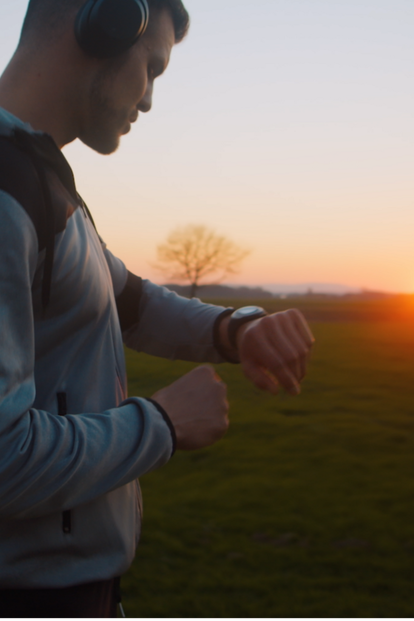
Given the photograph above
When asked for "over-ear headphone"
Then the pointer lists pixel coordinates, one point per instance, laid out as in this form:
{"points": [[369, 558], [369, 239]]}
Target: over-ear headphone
{"points": [[106, 28]]}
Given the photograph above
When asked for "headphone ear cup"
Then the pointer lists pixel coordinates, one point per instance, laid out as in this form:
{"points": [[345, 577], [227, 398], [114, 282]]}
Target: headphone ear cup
{"points": [[106, 28], [81, 25]]}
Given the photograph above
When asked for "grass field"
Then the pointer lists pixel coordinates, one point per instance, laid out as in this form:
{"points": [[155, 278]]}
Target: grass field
{"points": [[306, 508]]}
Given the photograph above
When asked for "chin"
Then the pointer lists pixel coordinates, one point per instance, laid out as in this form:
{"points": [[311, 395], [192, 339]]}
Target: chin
{"points": [[102, 142]]}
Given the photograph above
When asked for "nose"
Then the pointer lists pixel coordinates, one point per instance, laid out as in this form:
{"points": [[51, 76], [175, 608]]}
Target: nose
{"points": [[145, 104]]}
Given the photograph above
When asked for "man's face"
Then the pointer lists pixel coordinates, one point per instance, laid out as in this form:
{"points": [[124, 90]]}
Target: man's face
{"points": [[123, 86]]}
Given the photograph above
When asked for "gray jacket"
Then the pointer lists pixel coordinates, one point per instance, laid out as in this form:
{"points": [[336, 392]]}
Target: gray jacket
{"points": [[71, 443]]}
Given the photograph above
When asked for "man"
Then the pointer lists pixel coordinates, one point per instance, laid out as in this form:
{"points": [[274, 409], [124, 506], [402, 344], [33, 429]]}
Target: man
{"points": [[71, 444]]}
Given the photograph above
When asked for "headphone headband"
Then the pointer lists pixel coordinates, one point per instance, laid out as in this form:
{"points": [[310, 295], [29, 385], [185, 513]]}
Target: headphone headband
{"points": [[106, 28]]}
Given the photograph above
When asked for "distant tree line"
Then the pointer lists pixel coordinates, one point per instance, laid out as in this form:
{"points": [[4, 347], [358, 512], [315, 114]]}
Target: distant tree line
{"points": [[222, 291]]}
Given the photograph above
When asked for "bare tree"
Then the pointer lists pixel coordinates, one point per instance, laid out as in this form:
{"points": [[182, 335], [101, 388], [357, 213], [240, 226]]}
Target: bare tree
{"points": [[194, 252]]}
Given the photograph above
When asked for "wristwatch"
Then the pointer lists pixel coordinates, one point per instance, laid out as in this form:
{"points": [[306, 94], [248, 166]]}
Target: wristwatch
{"points": [[241, 316]]}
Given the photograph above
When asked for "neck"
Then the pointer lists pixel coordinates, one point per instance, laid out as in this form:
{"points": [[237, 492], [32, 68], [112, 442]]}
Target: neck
{"points": [[39, 88]]}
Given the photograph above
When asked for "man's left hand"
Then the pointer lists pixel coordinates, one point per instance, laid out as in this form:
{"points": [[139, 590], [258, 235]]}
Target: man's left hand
{"points": [[274, 350]]}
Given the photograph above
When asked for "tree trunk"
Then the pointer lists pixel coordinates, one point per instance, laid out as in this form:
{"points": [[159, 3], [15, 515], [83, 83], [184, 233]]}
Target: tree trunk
{"points": [[193, 290]]}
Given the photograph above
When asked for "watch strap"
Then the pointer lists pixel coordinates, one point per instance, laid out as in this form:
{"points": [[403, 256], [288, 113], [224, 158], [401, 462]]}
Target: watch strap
{"points": [[235, 323]]}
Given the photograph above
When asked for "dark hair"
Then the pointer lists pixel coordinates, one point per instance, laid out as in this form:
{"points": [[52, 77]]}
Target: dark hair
{"points": [[47, 15], [179, 14]]}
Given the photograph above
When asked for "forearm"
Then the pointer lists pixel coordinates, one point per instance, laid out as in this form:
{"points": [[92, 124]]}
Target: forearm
{"points": [[174, 327], [52, 463]]}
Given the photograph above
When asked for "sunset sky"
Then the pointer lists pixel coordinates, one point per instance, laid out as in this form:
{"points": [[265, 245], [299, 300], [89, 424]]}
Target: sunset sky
{"points": [[287, 125]]}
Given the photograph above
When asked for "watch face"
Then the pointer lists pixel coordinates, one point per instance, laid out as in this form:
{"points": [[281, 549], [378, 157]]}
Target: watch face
{"points": [[246, 311], [241, 316]]}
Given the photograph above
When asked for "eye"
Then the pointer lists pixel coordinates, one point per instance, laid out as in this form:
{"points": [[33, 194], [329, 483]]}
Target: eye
{"points": [[155, 68]]}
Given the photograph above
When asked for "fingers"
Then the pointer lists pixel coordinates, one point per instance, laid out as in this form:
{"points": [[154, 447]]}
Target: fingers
{"points": [[286, 353], [299, 343], [302, 326], [287, 345], [276, 349], [198, 408], [210, 373], [269, 363], [260, 378], [222, 405]]}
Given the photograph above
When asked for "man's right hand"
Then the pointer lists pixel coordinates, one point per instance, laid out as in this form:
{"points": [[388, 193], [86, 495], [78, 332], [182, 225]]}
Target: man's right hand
{"points": [[197, 407]]}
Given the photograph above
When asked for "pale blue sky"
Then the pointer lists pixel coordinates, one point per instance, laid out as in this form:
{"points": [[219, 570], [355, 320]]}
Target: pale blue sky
{"points": [[286, 124]]}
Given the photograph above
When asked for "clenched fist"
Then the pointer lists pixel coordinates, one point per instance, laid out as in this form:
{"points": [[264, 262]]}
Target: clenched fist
{"points": [[197, 406]]}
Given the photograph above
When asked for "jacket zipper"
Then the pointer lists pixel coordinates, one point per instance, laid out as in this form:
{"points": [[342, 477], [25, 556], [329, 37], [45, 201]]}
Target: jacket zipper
{"points": [[62, 411]]}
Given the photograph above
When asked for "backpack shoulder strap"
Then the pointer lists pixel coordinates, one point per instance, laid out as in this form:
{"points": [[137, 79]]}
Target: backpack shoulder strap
{"points": [[23, 176], [24, 161], [18, 177]]}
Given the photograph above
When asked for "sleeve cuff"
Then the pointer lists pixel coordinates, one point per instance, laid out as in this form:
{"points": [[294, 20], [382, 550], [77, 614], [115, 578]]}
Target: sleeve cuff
{"points": [[216, 336], [168, 421]]}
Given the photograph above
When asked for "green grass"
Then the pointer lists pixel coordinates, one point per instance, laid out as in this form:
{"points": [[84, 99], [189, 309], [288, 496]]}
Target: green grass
{"points": [[306, 508]]}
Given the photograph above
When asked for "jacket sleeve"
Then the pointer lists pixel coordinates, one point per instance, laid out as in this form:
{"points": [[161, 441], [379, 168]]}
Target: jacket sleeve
{"points": [[50, 463], [159, 322]]}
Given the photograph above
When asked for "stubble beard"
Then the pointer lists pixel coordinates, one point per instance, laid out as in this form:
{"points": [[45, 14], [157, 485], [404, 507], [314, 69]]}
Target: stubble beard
{"points": [[106, 124]]}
